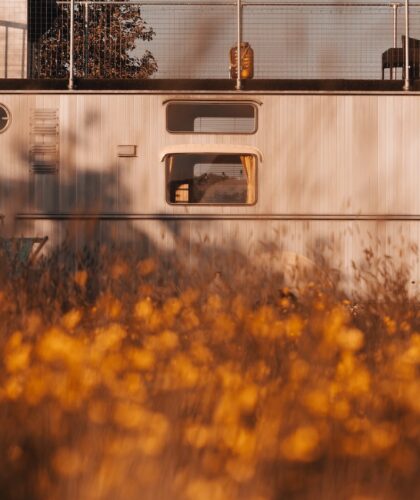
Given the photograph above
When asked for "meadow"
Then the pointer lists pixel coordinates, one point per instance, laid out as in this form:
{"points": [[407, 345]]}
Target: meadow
{"points": [[129, 378]]}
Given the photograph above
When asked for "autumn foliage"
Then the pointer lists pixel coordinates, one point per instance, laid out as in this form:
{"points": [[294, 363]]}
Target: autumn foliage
{"points": [[163, 384], [110, 41]]}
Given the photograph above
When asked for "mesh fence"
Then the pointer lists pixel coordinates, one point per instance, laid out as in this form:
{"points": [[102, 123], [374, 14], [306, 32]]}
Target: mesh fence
{"points": [[192, 39]]}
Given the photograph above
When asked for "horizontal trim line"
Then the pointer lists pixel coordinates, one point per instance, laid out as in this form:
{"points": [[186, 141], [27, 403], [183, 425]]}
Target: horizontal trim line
{"points": [[215, 92], [210, 86], [199, 217]]}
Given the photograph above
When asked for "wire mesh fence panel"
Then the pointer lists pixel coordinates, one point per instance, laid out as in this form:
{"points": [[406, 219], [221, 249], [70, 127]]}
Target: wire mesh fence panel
{"points": [[49, 39], [186, 39], [306, 41], [107, 36], [192, 41]]}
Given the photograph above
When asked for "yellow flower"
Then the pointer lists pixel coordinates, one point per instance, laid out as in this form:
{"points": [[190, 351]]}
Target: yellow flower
{"points": [[129, 415], [119, 269], [384, 436], [13, 388], [334, 323], [214, 303], [197, 435], [189, 319], [80, 278], [244, 443], [132, 384], [316, 401], [350, 339], [264, 323], [360, 382], [294, 326], [147, 266], [142, 359], [154, 434], [143, 309], [200, 353], [302, 445], [390, 324], [55, 345], [247, 398], [184, 372], [189, 297], [71, 319], [16, 353], [109, 338], [165, 341]]}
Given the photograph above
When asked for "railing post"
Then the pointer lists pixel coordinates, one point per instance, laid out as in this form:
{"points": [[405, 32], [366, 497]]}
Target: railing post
{"points": [[395, 28], [86, 44], [238, 53], [407, 49], [71, 62], [395, 9]]}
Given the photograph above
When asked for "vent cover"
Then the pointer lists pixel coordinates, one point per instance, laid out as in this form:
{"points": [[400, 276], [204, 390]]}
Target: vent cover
{"points": [[44, 151]]}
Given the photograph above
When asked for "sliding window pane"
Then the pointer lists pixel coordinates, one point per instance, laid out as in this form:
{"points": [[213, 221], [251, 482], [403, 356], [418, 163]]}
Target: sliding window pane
{"points": [[211, 118]]}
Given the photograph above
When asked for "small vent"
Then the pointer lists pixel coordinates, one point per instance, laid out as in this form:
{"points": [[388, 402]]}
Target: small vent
{"points": [[44, 152], [127, 150]]}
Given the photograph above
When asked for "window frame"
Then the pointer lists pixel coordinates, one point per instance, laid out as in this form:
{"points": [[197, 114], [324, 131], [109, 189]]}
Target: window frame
{"points": [[217, 103], [255, 156], [9, 117]]}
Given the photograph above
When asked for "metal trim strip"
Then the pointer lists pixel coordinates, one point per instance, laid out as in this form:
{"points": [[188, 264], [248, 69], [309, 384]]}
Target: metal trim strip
{"points": [[201, 217]]}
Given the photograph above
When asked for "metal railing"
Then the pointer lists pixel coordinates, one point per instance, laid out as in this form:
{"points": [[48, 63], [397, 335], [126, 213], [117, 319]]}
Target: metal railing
{"points": [[191, 39]]}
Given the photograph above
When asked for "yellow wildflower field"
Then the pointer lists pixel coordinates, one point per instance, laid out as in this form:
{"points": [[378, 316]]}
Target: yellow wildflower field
{"points": [[137, 380]]}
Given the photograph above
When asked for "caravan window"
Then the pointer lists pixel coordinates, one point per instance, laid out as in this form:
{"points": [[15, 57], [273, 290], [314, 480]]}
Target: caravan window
{"points": [[211, 117], [211, 179]]}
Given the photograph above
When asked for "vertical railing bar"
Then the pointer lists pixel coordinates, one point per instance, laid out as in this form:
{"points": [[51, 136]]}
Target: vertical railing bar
{"points": [[120, 36], [99, 19], [22, 70], [57, 48], [238, 53], [395, 9], [392, 71], [6, 52], [71, 63], [407, 48], [86, 40]]}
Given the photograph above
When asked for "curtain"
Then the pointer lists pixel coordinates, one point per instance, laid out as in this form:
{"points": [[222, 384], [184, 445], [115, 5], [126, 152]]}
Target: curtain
{"points": [[170, 163], [248, 162]]}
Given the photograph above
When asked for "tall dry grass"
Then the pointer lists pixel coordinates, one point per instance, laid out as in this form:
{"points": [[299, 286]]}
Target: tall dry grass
{"points": [[124, 378]]}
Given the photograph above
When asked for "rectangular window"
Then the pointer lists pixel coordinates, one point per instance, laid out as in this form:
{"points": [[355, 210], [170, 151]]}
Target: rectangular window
{"points": [[211, 118], [211, 179]]}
